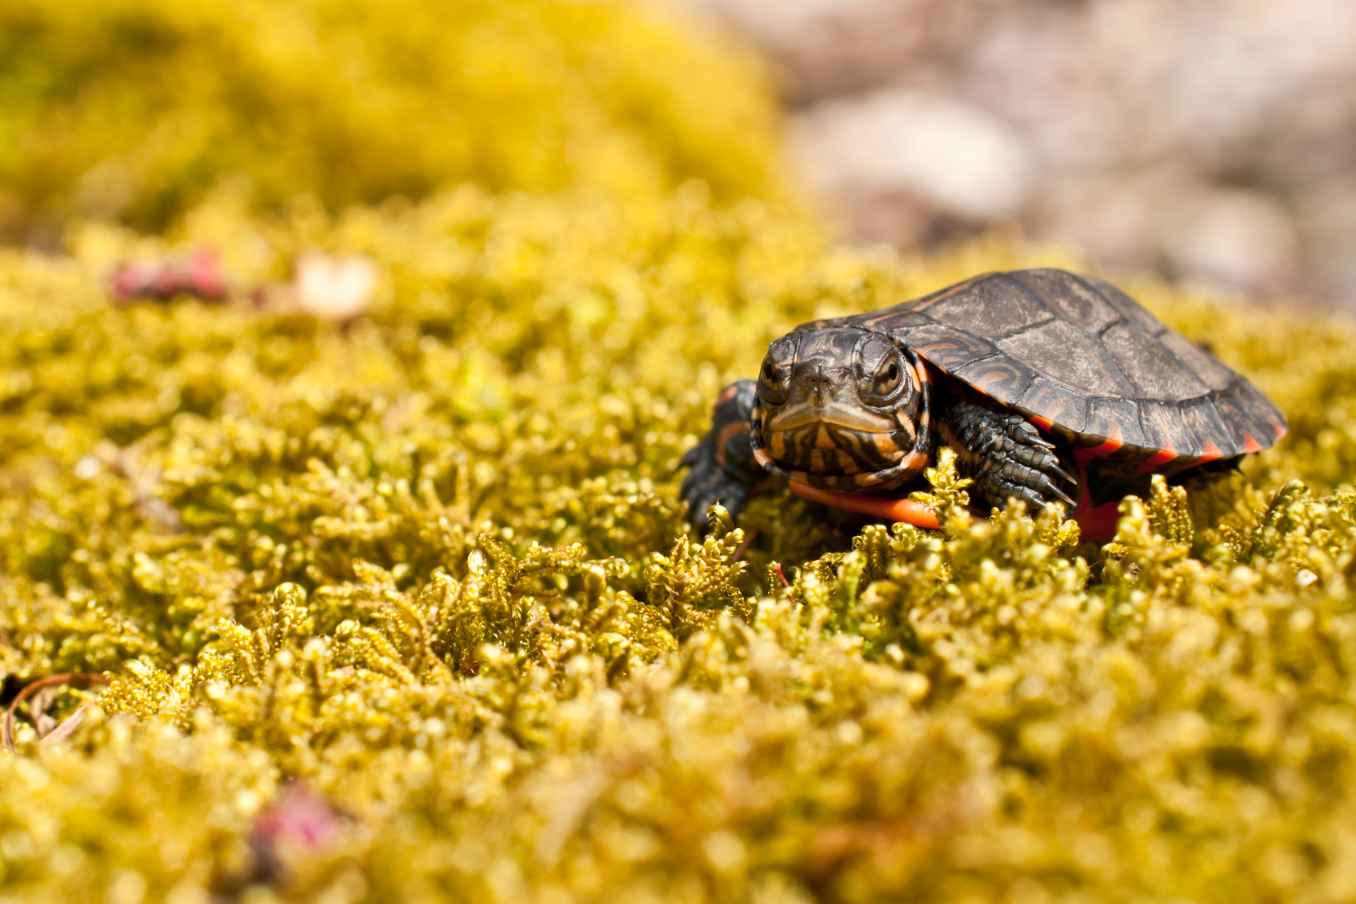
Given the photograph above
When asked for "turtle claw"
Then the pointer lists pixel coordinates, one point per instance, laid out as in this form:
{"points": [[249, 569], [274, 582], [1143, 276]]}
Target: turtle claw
{"points": [[1010, 458], [722, 465], [1013, 479], [1051, 490], [707, 484], [1068, 479], [1045, 490]]}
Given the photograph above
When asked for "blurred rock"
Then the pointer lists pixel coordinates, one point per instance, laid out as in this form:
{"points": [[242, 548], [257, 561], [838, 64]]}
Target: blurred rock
{"points": [[335, 288], [1214, 140], [916, 160], [1237, 239], [954, 156], [826, 48], [1329, 214]]}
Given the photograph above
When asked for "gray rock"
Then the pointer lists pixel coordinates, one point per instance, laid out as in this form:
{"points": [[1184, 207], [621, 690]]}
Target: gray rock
{"points": [[949, 155]]}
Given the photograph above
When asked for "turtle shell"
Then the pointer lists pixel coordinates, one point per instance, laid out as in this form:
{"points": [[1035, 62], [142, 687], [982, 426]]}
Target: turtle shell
{"points": [[1082, 359]]}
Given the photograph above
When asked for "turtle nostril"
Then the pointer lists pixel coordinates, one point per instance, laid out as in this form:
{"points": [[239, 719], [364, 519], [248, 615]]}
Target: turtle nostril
{"points": [[819, 387]]}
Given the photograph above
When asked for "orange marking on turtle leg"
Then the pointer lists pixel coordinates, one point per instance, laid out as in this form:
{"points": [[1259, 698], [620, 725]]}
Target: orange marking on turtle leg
{"points": [[913, 462], [1250, 443], [915, 513], [725, 435], [727, 393]]}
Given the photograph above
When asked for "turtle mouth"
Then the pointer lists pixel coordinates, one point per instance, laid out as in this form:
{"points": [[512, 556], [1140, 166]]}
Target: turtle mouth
{"points": [[834, 414], [826, 455], [828, 449], [837, 469], [835, 440]]}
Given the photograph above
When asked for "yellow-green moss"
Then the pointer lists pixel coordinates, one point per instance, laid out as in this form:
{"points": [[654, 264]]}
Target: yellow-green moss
{"points": [[133, 109], [432, 562]]}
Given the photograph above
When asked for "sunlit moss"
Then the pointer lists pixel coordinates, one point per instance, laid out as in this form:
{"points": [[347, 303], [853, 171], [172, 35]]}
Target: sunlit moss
{"points": [[432, 564], [133, 109]]}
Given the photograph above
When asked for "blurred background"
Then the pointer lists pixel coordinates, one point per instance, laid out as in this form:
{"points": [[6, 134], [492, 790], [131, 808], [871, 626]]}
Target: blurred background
{"points": [[1211, 141]]}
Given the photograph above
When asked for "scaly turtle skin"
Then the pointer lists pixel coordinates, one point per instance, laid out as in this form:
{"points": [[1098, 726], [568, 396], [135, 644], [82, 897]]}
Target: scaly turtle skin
{"points": [[1051, 387]]}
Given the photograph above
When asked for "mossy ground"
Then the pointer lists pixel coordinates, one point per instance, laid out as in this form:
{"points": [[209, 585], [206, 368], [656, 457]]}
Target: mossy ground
{"points": [[431, 563]]}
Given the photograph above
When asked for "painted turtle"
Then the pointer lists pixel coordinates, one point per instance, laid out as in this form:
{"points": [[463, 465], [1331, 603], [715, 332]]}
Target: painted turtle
{"points": [[1050, 386]]}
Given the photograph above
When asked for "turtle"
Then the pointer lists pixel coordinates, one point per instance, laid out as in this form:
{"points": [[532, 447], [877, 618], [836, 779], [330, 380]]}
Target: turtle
{"points": [[1052, 387]]}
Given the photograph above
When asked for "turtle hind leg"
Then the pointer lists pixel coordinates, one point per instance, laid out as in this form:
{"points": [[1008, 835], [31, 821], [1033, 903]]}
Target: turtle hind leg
{"points": [[722, 465], [1006, 456]]}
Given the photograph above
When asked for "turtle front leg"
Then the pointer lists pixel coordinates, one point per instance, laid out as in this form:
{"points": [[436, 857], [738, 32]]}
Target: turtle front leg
{"points": [[723, 467], [1006, 456]]}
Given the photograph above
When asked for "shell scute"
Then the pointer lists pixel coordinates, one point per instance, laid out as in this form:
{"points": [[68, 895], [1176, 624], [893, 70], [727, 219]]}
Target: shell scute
{"points": [[948, 348], [1061, 407], [1069, 355], [1203, 421], [1111, 418], [1205, 366], [1153, 369], [1079, 355], [1166, 429], [996, 306], [1073, 301], [996, 375]]}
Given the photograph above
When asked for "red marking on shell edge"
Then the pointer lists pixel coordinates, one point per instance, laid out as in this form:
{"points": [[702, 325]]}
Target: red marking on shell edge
{"points": [[1250, 443], [1111, 444], [1280, 430], [1157, 460], [727, 393], [1211, 452], [915, 513], [1042, 422]]}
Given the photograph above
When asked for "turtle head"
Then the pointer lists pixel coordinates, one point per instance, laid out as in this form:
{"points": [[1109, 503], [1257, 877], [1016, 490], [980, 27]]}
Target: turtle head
{"points": [[841, 407]]}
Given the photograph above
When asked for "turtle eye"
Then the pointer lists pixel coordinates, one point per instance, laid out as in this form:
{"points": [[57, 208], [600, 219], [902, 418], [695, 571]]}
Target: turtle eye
{"points": [[772, 382], [884, 384], [887, 378]]}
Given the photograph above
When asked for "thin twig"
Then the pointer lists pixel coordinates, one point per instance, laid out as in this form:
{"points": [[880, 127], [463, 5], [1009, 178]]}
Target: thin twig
{"points": [[67, 727], [84, 678]]}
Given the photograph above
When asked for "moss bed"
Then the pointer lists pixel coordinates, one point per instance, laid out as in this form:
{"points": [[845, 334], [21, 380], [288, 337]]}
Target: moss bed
{"points": [[429, 566]]}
